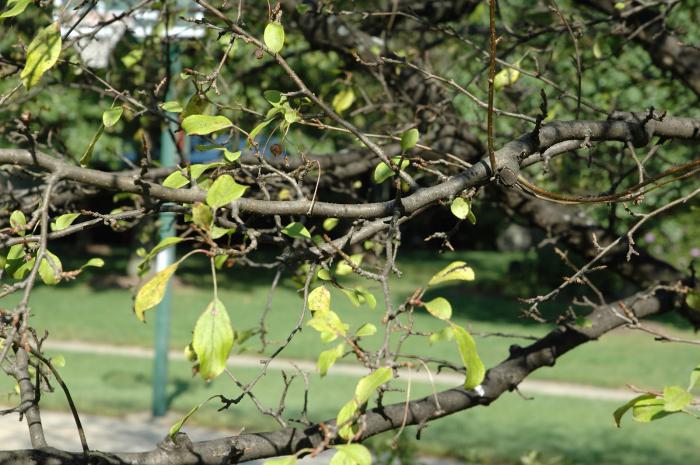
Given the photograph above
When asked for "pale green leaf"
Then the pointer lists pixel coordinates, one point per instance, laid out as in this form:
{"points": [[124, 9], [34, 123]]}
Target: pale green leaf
{"points": [[18, 221], [409, 139], [42, 55], [93, 262], [274, 37], [370, 383], [172, 107], [460, 208], [175, 180], [328, 324], [63, 221], [382, 171], [212, 340], [217, 232], [620, 411], [112, 116], [455, 271], [224, 191], [175, 428], [15, 8], [345, 414], [327, 358], [198, 169], [205, 124], [676, 398], [231, 156], [87, 156], [504, 78], [470, 357], [202, 216], [50, 269], [439, 308], [646, 410], [319, 300], [343, 100], [324, 274], [367, 329], [196, 105], [256, 130], [344, 268], [296, 230], [133, 57], [153, 291], [58, 361], [330, 223], [351, 454], [445, 334]]}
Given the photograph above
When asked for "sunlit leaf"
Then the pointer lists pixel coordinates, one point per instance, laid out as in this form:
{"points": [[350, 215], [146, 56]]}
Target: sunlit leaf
{"points": [[470, 357], [58, 361], [224, 191], [212, 340], [460, 208], [329, 324], [296, 230], [445, 334], [409, 139], [327, 358], [439, 308], [504, 78], [50, 269], [620, 411], [175, 180], [153, 291], [274, 37], [112, 116], [382, 171], [455, 271], [205, 124], [18, 221], [676, 398], [63, 221], [202, 215], [351, 454], [646, 410], [172, 107], [345, 414], [319, 299], [330, 223], [343, 100], [370, 383], [344, 268], [15, 8], [42, 55], [87, 156], [367, 329]]}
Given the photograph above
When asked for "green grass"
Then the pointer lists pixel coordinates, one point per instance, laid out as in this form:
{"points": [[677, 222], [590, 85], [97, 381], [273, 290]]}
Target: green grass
{"points": [[580, 432], [89, 313]]}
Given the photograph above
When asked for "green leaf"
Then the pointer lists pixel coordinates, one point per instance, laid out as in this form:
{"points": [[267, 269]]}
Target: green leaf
{"points": [[343, 100], [212, 340], [205, 124], [382, 171], [173, 106], [345, 414], [284, 460], [18, 221], [439, 308], [409, 139], [112, 116], [217, 232], [504, 78], [202, 216], [162, 245], [344, 268], [93, 262], [16, 7], [455, 271], [42, 55], [693, 300], [329, 325], [460, 208], [330, 223], [196, 105], [370, 383], [324, 274], [153, 291], [133, 57], [87, 156], [470, 358], [256, 130], [231, 156], [445, 334], [198, 169], [224, 191], [58, 361], [676, 398], [274, 37], [319, 300], [646, 410], [620, 411], [275, 97], [351, 454], [327, 358], [175, 180], [694, 376], [50, 269], [63, 221], [175, 428], [296, 230], [367, 329]]}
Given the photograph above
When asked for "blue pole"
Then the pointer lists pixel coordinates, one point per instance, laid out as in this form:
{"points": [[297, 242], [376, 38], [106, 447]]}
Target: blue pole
{"points": [[168, 158]]}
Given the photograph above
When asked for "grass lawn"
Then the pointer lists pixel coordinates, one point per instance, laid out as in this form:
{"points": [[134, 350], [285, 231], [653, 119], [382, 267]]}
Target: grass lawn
{"points": [[80, 311], [576, 431]]}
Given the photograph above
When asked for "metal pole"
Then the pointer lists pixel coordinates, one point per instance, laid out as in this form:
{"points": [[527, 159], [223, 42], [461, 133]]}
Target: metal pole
{"points": [[168, 158]]}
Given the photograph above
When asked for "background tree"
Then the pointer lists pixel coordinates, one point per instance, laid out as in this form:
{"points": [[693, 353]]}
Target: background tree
{"points": [[342, 131]]}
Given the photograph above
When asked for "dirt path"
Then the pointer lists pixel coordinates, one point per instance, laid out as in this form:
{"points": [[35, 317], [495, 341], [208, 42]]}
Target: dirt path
{"points": [[528, 387]]}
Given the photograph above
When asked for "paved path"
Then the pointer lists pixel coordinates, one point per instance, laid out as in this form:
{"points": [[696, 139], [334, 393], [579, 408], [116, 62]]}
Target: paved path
{"points": [[549, 388]]}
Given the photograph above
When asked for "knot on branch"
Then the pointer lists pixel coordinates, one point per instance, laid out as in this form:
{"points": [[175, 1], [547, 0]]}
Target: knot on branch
{"points": [[507, 172]]}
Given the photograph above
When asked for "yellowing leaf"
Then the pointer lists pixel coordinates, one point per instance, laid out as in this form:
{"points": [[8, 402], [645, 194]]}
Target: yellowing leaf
{"points": [[153, 291], [370, 383], [676, 398], [18, 221], [224, 191], [42, 55], [319, 300], [344, 268], [329, 325], [212, 340], [274, 37], [327, 358], [504, 78], [351, 454], [330, 223], [202, 216], [646, 410], [620, 411], [345, 414], [460, 208], [470, 358], [455, 271], [205, 124], [439, 308], [343, 100], [367, 329]]}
